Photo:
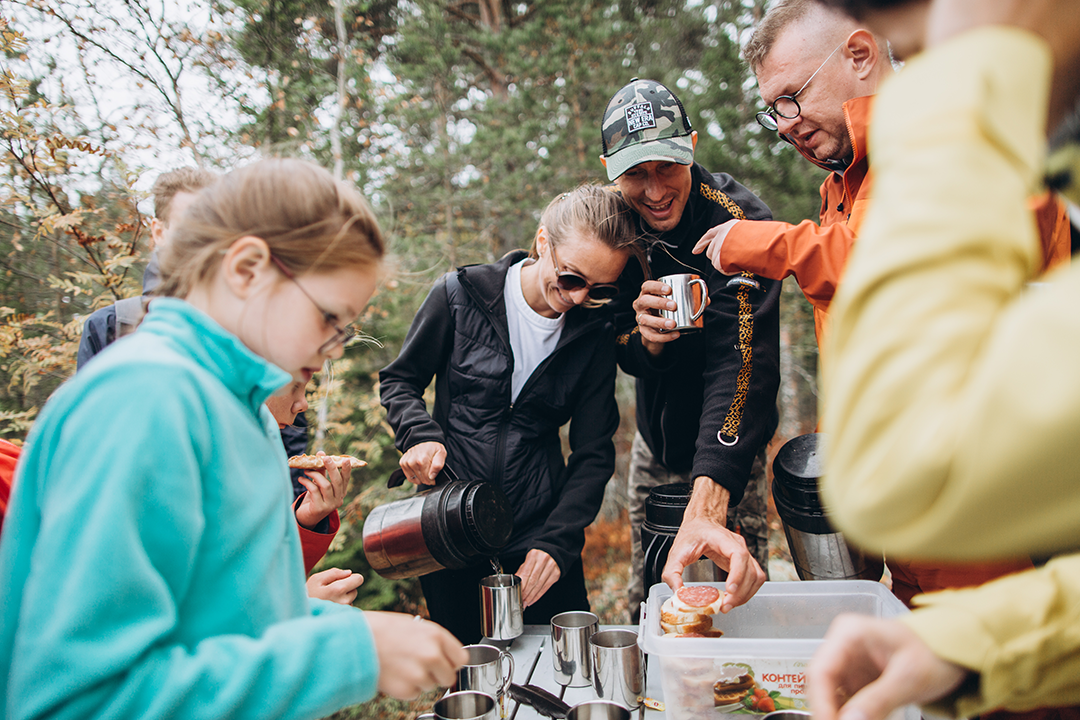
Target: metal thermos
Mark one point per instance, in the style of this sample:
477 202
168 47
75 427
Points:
664 510
451 525
818 551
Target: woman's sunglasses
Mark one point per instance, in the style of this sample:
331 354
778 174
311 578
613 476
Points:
570 282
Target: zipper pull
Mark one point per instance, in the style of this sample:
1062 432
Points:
840 207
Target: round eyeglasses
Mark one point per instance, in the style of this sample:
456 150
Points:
342 335
787 106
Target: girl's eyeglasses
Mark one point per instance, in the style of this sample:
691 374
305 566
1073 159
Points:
342 335
570 282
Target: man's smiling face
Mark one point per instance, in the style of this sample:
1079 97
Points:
658 191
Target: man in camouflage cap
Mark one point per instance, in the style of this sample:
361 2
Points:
706 401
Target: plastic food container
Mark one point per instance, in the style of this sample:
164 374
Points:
770 639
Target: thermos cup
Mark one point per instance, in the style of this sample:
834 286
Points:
691 295
818 551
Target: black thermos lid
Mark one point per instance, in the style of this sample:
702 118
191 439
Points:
488 517
666 504
797 469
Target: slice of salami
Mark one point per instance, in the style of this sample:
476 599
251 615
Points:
698 595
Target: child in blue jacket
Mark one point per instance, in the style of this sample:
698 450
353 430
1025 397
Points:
150 564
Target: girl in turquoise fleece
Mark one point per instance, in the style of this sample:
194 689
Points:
150 564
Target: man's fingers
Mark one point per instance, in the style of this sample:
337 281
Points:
703 242
647 303
673 569
745 578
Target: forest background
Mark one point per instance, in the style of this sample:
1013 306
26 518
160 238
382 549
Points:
458 119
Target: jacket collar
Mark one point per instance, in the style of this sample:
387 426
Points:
195 335
486 282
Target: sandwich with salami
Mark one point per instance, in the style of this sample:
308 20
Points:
688 612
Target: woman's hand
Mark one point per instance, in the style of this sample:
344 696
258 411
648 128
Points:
325 492
538 573
422 463
414 656
336 585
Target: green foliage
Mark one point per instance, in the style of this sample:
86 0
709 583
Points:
459 120
287 51
65 250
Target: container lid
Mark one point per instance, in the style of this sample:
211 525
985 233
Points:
783 620
666 504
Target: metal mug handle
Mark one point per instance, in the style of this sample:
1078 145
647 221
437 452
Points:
504 655
704 298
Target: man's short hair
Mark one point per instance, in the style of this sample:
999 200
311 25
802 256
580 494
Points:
858 8
188 179
645 122
779 17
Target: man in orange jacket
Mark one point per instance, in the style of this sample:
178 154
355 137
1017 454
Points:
817 71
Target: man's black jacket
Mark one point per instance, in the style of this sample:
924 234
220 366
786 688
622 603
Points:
708 403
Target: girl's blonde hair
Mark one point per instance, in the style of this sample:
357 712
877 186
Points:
309 220
594 211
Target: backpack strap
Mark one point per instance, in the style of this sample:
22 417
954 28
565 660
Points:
129 313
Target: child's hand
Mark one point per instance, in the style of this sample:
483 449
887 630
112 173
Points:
325 492
336 585
414 656
422 462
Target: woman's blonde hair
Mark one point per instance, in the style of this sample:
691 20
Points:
594 211
309 220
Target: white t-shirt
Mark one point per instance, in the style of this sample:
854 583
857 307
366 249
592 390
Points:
532 336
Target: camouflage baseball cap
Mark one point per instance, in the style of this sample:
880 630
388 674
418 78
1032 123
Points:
644 121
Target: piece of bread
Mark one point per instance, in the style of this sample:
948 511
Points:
315 462
690 611
674 614
710 633
701 624
728 698
732 687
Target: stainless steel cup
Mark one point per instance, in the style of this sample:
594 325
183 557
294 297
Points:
500 607
788 715
489 670
570 633
467 705
598 710
618 671
691 295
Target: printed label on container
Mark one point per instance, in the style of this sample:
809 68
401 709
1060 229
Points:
696 688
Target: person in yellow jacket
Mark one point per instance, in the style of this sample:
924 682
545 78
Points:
817 71
951 398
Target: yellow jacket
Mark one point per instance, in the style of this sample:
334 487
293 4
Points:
952 401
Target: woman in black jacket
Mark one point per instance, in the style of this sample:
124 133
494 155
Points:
518 348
